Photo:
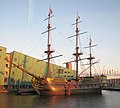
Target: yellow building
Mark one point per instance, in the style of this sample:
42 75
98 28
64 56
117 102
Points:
11 77
7 70
19 78
2 66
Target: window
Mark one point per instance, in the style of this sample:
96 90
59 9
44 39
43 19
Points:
15 59
6 73
13 73
6 65
5 80
12 80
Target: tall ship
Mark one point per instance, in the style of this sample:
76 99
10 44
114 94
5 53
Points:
48 85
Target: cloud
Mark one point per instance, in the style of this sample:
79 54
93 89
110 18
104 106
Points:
31 11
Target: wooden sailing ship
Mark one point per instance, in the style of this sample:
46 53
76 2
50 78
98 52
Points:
61 86
48 85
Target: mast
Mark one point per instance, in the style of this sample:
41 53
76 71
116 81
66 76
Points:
77 54
77 48
90 58
49 51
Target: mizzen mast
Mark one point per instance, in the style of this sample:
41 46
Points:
90 58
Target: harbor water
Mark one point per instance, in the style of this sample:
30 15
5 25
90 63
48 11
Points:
108 99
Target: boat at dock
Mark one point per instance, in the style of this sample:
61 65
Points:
48 85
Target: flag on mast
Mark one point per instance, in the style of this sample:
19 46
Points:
90 41
78 17
50 10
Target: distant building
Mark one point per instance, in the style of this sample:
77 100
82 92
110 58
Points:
113 82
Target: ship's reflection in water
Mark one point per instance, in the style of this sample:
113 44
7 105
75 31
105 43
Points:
75 101
109 99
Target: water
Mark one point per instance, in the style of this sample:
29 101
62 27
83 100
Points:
108 99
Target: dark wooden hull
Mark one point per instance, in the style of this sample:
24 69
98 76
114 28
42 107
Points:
66 88
71 92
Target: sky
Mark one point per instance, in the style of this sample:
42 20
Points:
22 22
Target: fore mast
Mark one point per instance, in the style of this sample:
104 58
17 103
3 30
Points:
49 51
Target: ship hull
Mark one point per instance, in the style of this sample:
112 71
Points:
66 88
67 92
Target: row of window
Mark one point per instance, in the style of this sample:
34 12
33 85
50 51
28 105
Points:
5 80
6 73
68 76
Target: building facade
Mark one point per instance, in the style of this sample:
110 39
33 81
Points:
2 66
13 78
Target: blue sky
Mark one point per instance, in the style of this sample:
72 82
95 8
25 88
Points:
22 22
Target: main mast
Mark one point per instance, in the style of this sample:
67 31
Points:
77 48
77 54
90 57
